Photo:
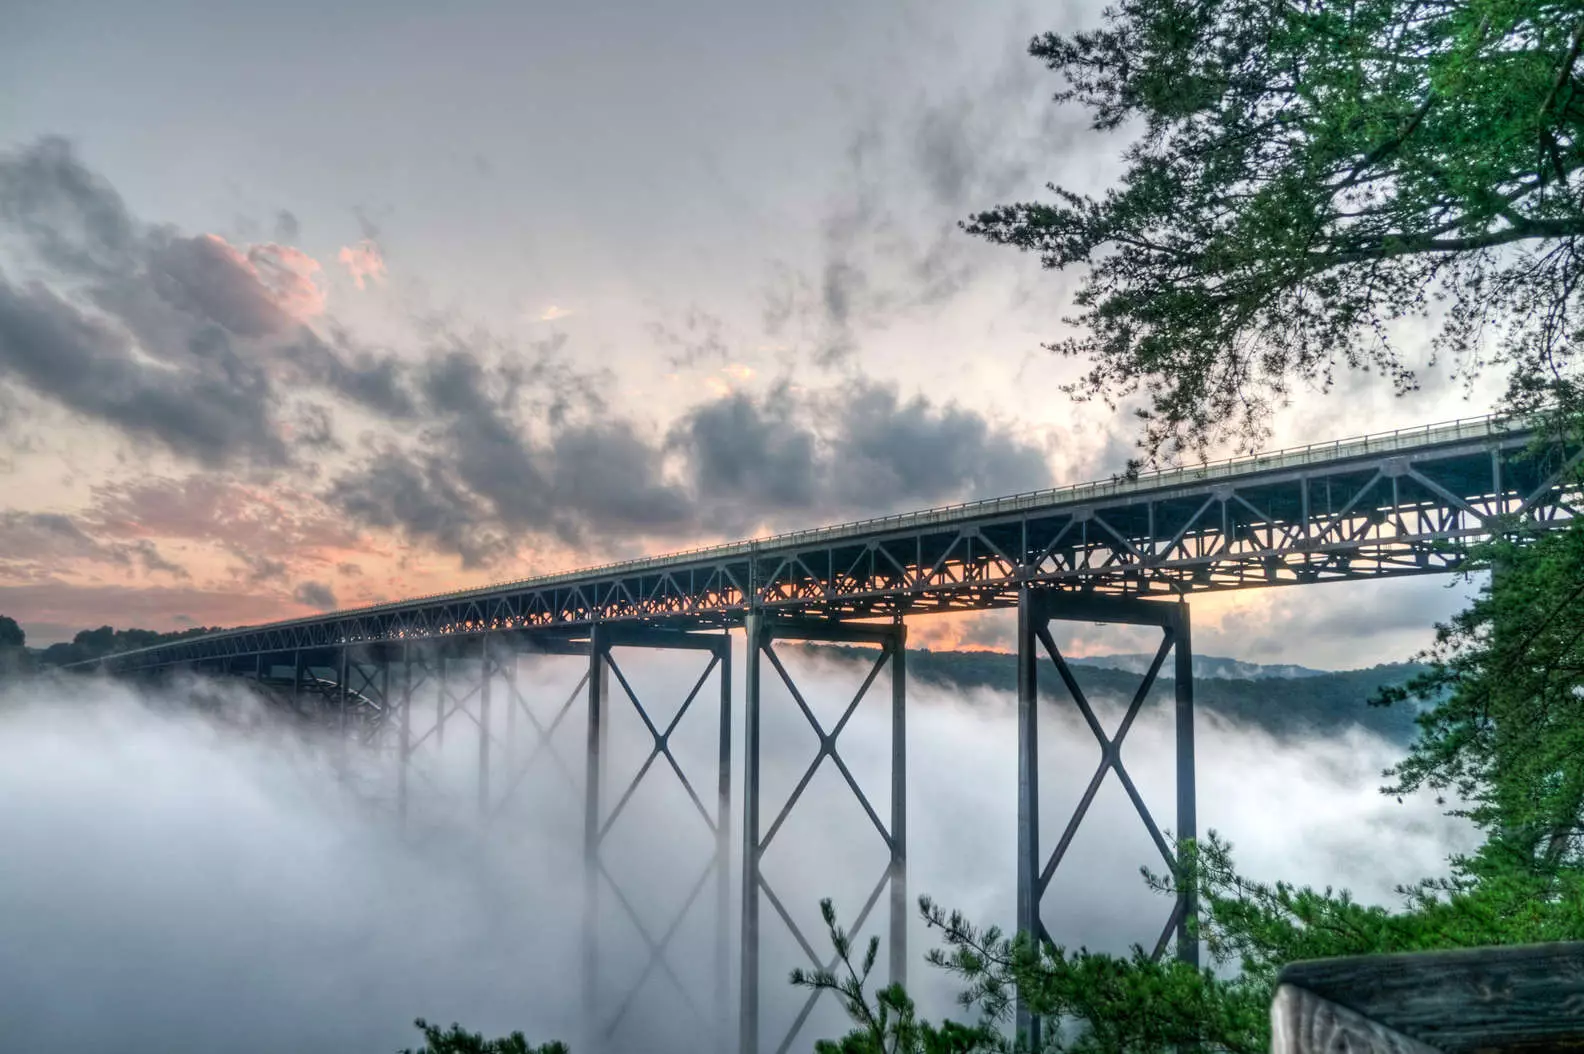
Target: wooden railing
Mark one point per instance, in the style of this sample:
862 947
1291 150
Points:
1471 1001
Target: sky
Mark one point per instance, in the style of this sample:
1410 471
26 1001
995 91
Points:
310 306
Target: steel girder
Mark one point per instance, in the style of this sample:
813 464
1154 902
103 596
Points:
762 633
599 820
1399 510
1037 609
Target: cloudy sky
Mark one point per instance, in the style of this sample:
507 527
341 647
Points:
307 306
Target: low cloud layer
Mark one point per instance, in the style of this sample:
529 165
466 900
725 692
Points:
217 882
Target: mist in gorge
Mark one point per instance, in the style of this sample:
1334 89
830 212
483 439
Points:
190 871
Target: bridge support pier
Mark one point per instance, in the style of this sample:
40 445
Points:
598 820
1037 609
763 631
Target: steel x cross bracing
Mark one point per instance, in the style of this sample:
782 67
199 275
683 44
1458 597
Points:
1384 505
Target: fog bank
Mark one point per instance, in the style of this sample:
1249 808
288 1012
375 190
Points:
174 880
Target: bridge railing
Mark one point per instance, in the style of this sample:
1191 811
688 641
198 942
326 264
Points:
1384 442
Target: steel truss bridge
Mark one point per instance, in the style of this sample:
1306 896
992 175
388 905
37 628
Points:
1123 551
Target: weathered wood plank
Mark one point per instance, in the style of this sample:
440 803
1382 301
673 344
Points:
1304 1023
1469 1001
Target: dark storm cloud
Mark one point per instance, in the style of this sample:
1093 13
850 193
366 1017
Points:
481 475
376 381
35 535
187 341
184 383
212 411
849 451
419 498
891 453
73 219
369 228
315 595
750 452
612 476
789 457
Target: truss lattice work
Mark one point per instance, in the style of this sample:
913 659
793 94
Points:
1401 504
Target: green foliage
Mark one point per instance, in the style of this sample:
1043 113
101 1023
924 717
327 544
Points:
1132 1003
11 635
891 1025
1136 1004
1509 736
92 644
457 1041
1302 176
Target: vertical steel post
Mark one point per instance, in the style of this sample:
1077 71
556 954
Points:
385 695
723 856
1187 819
484 726
404 745
1496 483
597 683
440 702
509 747
1030 611
748 974
899 889
297 672
343 719
258 668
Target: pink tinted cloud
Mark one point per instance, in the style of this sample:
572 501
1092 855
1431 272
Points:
286 276
289 275
253 290
265 520
363 262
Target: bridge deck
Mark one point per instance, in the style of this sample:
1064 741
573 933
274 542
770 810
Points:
1395 503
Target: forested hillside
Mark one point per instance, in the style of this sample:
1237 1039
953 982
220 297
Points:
1324 702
